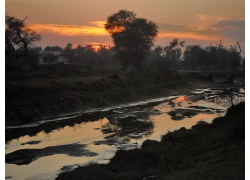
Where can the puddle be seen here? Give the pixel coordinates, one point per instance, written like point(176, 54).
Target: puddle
point(61, 145)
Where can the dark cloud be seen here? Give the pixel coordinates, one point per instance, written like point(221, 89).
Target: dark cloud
point(233, 24)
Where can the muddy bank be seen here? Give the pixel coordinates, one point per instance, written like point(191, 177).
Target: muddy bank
point(206, 151)
point(26, 156)
point(37, 92)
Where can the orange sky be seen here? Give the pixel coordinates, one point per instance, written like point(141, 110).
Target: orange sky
point(81, 21)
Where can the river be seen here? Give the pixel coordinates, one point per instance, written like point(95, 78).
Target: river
point(43, 149)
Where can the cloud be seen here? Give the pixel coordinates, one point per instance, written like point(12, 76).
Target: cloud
point(202, 17)
point(71, 30)
point(231, 24)
point(188, 31)
point(229, 30)
point(99, 23)
point(53, 39)
point(189, 36)
point(226, 29)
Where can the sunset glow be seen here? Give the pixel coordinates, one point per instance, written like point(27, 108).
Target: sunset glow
point(82, 22)
point(70, 30)
point(189, 35)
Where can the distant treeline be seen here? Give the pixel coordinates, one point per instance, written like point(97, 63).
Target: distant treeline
point(213, 57)
point(133, 39)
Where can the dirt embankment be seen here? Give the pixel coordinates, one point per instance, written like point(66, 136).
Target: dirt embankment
point(43, 91)
point(206, 151)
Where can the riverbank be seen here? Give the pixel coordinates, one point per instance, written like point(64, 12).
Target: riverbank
point(206, 151)
point(37, 92)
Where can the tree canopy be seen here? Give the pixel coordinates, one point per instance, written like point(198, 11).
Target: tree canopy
point(133, 37)
point(215, 57)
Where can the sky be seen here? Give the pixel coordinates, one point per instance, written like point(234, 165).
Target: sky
point(198, 22)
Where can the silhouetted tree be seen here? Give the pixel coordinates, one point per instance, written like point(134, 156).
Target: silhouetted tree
point(234, 56)
point(10, 54)
point(78, 55)
point(49, 58)
point(173, 53)
point(53, 48)
point(213, 57)
point(155, 59)
point(242, 63)
point(68, 47)
point(192, 57)
point(133, 37)
point(104, 56)
point(68, 51)
point(18, 34)
point(34, 53)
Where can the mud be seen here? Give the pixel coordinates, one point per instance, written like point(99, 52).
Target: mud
point(206, 151)
point(34, 94)
point(26, 156)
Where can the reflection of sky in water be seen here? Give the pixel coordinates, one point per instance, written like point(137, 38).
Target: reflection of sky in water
point(88, 132)
point(84, 133)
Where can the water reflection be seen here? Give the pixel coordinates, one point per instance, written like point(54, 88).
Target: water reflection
point(105, 132)
point(49, 127)
point(128, 127)
point(227, 96)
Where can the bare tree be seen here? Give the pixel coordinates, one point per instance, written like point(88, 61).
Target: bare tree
point(18, 34)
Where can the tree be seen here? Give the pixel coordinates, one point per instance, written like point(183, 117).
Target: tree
point(18, 34)
point(234, 57)
point(215, 57)
point(68, 47)
point(10, 53)
point(193, 57)
point(50, 58)
point(173, 53)
point(53, 48)
point(133, 37)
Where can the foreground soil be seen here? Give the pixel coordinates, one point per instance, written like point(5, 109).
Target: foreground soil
point(204, 152)
point(36, 92)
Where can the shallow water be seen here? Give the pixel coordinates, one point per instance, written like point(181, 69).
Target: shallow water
point(125, 127)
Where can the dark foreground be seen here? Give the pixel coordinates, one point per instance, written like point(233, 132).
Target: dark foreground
point(206, 151)
point(36, 92)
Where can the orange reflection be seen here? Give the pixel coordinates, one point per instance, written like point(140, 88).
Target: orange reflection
point(182, 98)
point(164, 123)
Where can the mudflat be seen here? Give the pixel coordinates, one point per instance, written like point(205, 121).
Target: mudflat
point(206, 151)
point(35, 92)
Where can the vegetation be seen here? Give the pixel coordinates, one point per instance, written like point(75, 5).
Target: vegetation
point(18, 34)
point(213, 57)
point(206, 151)
point(168, 57)
point(46, 90)
point(134, 47)
point(133, 37)
point(195, 57)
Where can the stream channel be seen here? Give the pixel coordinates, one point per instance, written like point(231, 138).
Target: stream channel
point(43, 149)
